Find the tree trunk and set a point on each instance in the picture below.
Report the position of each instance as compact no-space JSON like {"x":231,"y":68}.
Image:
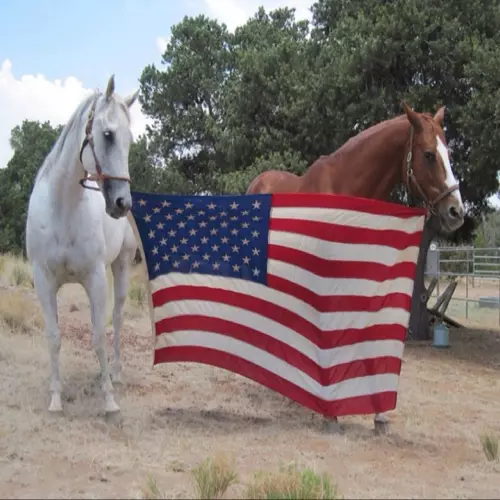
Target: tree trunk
{"x":419,"y":328}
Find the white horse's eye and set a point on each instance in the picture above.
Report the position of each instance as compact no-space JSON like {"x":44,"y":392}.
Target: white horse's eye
{"x":107,"y":134}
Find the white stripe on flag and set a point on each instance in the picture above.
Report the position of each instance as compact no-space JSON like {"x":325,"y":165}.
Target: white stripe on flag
{"x":351,"y":218}
{"x":290,"y":272}
{"x":345,"y":252}
{"x":361,"y":386}
{"x":323,"y":357}
{"x":324,"y":321}
{"x":338,"y":286}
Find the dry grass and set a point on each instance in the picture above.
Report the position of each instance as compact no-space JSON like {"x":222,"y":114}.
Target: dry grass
{"x":292,"y":483}
{"x":138,"y":280}
{"x":20,"y":313}
{"x":176,"y":414}
{"x":213,"y":477}
{"x":137,"y":294}
{"x":490,"y":446}
{"x":15,"y":271}
{"x":151,"y":491}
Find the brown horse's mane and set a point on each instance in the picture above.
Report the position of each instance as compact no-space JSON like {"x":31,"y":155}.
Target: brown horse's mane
{"x":354,"y":141}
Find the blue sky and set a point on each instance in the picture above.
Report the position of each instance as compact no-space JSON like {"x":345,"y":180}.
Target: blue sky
{"x":89,"y":39}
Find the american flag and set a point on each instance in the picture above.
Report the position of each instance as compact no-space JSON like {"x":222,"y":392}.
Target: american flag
{"x":308,"y":295}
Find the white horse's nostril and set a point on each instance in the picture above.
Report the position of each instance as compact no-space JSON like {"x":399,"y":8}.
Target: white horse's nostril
{"x":123,"y":204}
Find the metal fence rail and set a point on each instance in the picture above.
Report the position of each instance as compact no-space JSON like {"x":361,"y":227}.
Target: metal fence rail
{"x":477,"y":272}
{"x":486,"y":262}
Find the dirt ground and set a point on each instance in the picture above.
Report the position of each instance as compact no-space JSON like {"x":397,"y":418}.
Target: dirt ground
{"x":176,"y":415}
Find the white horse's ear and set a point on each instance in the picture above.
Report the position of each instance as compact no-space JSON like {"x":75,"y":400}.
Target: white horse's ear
{"x":130,"y":99}
{"x":110,"y":88}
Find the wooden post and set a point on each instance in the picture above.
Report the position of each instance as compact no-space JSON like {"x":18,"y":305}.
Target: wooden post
{"x":419,"y":325}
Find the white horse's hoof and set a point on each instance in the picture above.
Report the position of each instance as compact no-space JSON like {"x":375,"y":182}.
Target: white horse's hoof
{"x":55,"y":404}
{"x":111,"y":407}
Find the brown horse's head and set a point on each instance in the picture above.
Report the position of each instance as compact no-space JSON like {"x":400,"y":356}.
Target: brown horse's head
{"x":428,"y":172}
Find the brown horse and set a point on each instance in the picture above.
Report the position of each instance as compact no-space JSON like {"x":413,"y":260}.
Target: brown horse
{"x":409,"y":149}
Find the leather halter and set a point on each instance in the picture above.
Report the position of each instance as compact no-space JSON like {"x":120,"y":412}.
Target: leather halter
{"x":430,"y":205}
{"x":89,"y":141}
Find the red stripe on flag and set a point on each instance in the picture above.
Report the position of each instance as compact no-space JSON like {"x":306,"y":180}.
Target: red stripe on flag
{"x":292,"y":356}
{"x":324,"y":200}
{"x":339,"y":233}
{"x":325,"y":268}
{"x":324,"y":339}
{"x":373,"y":403}
{"x":338,"y":303}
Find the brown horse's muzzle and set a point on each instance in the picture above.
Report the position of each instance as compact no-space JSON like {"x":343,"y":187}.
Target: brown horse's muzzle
{"x":451,"y":214}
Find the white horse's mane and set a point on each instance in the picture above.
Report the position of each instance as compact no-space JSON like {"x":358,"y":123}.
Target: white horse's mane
{"x":74,"y":121}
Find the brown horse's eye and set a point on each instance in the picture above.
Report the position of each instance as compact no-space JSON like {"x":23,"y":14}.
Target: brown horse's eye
{"x":430,"y":156}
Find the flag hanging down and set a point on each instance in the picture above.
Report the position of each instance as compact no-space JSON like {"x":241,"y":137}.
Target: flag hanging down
{"x":307,"y":294}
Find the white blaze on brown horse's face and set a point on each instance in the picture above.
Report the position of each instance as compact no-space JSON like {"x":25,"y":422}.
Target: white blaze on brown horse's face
{"x":432,"y":168}
{"x":450,"y":180}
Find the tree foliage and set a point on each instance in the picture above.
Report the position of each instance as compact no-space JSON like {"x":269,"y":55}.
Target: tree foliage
{"x":31,"y":141}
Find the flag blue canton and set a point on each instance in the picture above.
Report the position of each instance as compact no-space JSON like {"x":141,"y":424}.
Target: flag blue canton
{"x":216,"y":235}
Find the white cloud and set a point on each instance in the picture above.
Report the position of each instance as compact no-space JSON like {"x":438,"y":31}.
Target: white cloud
{"x":34,"y":97}
{"x":161,"y":43}
{"x":494,"y":201}
{"x":236,"y":12}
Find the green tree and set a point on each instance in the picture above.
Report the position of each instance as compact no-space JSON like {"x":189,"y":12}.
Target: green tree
{"x":144,"y":173}
{"x":184,"y":102}
{"x":31,"y":142}
{"x":264,"y":103}
{"x":488,"y":232}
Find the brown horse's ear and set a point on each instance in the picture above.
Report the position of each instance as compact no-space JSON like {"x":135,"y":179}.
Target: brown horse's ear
{"x":413,"y":117}
{"x":439,"y":116}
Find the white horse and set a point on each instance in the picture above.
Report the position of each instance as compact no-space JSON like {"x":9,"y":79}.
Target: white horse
{"x":73,"y":234}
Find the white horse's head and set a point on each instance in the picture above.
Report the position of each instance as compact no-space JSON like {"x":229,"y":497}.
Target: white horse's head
{"x":106,"y":140}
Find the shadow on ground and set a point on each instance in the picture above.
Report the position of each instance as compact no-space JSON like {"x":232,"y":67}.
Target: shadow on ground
{"x":472,"y":345}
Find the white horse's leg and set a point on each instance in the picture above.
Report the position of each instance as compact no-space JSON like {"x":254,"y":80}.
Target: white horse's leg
{"x":96,"y":289}
{"x":47,"y":295}
{"x":121,"y":275}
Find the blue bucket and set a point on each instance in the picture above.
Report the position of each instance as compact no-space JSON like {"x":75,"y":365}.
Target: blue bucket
{"x":441,"y":335}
